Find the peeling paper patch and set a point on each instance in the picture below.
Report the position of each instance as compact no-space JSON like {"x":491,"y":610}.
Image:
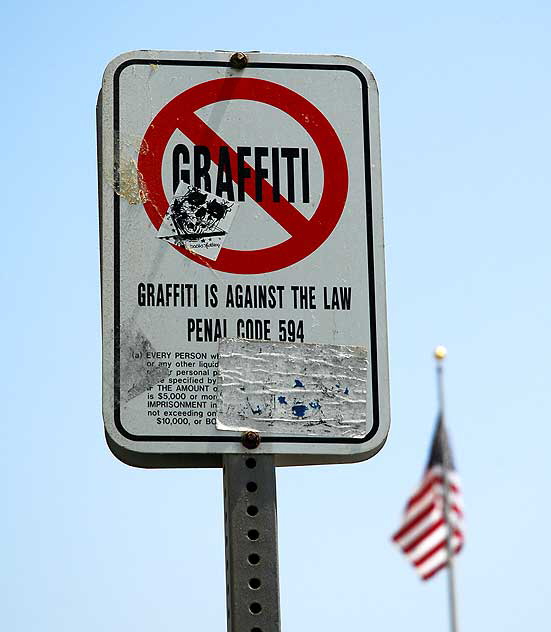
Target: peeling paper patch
{"x":128,"y":183}
{"x":131,"y":184}
{"x":136,"y":377}
{"x":292,"y":388}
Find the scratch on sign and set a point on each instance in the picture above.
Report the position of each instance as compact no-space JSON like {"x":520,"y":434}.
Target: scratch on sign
{"x":280,"y":388}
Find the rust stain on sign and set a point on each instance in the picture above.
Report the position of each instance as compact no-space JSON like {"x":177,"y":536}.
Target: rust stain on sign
{"x":292,"y":388}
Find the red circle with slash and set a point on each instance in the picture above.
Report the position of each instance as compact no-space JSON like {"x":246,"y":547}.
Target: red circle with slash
{"x":306,"y":235}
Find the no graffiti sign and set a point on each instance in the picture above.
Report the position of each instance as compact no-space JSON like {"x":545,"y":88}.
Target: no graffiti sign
{"x":241,"y":206}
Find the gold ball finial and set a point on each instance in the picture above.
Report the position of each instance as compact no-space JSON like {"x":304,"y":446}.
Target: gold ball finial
{"x":440,"y":352}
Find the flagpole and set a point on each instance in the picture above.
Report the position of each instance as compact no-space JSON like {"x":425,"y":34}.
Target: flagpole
{"x":440,"y":353}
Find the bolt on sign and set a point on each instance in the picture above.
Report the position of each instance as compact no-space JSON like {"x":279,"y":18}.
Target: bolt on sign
{"x":242,"y":263}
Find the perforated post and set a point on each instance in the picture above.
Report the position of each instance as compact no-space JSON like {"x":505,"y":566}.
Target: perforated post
{"x":250,"y":514}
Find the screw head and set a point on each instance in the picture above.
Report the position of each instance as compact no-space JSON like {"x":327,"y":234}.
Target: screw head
{"x":239,"y":60}
{"x":250,"y":439}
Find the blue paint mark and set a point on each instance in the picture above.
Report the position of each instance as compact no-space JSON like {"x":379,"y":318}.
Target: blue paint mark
{"x":298,"y":383}
{"x":338,"y":385}
{"x":346,"y":391}
{"x":299,"y":410}
{"x":281,"y":399}
{"x":315,"y":404}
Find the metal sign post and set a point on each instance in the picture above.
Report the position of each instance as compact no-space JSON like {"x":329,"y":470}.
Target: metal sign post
{"x":250,"y":516}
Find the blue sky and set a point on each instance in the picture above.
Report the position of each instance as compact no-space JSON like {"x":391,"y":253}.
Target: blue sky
{"x":89,"y":543}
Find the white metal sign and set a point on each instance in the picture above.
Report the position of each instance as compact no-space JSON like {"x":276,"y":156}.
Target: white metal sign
{"x":242,"y":258}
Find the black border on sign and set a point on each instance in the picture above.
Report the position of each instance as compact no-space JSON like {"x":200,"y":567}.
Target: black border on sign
{"x":370,"y":255}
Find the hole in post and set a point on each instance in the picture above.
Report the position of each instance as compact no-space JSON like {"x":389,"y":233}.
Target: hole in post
{"x":256,"y":629}
{"x":254,"y":583}
{"x":250,"y":463}
{"x":252,"y":510}
{"x":255,"y":608}
{"x":252,"y":486}
{"x":253,"y":534}
{"x":254,"y":558}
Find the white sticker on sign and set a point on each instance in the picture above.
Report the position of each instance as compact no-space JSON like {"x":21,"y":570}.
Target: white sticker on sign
{"x":198,"y":221}
{"x":281,"y":388}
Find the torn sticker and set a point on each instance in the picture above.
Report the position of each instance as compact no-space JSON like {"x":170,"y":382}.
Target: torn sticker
{"x":137,"y":376}
{"x":292,"y":388}
{"x":198,"y":221}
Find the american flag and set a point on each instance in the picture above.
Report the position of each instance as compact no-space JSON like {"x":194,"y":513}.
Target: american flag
{"x":423,"y":534}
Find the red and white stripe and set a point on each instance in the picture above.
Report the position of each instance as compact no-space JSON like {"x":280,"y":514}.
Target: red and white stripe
{"x":423,"y":533}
